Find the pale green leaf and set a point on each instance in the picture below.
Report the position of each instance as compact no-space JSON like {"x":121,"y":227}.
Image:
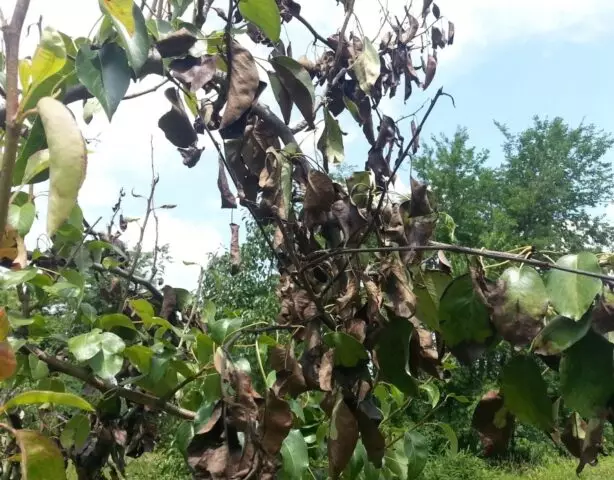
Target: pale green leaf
{"x":295,"y":459}
{"x":85,"y":346}
{"x":37,"y":163}
{"x":572,"y":294}
{"x":67,"y":163}
{"x":21,"y":217}
{"x":56,"y":398}
{"x":49,"y":57}
{"x":41,"y":459}
{"x":121,"y":11}
{"x":367,"y":67}
{"x":331,"y":140}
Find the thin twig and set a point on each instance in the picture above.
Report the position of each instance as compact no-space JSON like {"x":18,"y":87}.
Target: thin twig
{"x":148,"y":90}
{"x":316,"y":35}
{"x":348,"y":14}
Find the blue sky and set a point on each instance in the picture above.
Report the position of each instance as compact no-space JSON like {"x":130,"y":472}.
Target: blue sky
{"x":510,"y":60}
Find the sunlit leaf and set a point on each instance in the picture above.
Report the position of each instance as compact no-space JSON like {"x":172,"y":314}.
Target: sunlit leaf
{"x":41,"y":459}
{"x":572,"y":294}
{"x":264,"y":14}
{"x":8,"y":362}
{"x":367,"y":67}
{"x":49,"y":57}
{"x":57,"y":398}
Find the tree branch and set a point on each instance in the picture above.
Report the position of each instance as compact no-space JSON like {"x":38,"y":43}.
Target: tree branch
{"x":85,"y":376}
{"x":12,"y":35}
{"x":433,"y":246}
{"x":316,"y":35}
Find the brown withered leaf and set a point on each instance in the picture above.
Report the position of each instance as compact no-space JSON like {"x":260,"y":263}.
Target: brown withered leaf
{"x":193,"y":71}
{"x":8,"y":362}
{"x":409,"y":34}
{"x":242,"y":408}
{"x":603,"y":315}
{"x":320,"y":192}
{"x":420,"y":204}
{"x":169,"y":304}
{"x":325,"y":373}
{"x":392,"y":222}
{"x":374,"y":299}
{"x":176,"y":44}
{"x":379,"y":165}
{"x":369,"y":417}
{"x":366,"y":119}
{"x":175,"y":123}
{"x":276,"y":423}
{"x":357,"y":328}
{"x":583,"y":440}
{"x":399,"y":297}
{"x":345,"y":307}
{"x":415,"y":136}
{"x":423,"y":352}
{"x":494,"y":423}
{"x":342,"y":437}
{"x":429,"y":71}
{"x":290,"y":377}
{"x":573,"y":434}
{"x":350,"y":219}
{"x":244,"y":85}
{"x":235,"y":250}
{"x":228,"y":199}
{"x":450,"y":33}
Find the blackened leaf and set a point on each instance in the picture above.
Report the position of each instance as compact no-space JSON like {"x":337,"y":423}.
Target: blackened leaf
{"x":437,"y":38}
{"x":264,"y":14}
{"x":559,"y":334}
{"x":415,"y":136}
{"x":572,"y":294}
{"x":196,"y":72}
{"x":519,"y":304}
{"x":494,"y":423}
{"x":348,"y":350}
{"x":284,"y":100}
{"x":586,"y":373}
{"x":176,"y":44}
{"x":393,"y":356}
{"x":429,"y":71}
{"x":425,"y":7}
{"x":296,"y":80}
{"x":191,"y":155}
{"x":462,"y":316}
{"x":436,"y":11}
{"x":331,"y":140}
{"x":416,"y":449}
{"x":342,"y":437}
{"x":244,"y":84}
{"x":450,"y":33}
{"x":294,"y":455}
{"x":372,"y":438}
{"x":175,"y":123}
{"x":525,"y":392}
{"x":367,"y":67}
{"x":228,"y":199}
{"x":105,"y":73}
{"x":235,"y":251}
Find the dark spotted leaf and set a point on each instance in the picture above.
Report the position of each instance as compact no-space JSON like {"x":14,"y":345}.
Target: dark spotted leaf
{"x":176,"y":44}
{"x":525,"y":392}
{"x":436,"y":11}
{"x":196,"y":72}
{"x":559,"y":334}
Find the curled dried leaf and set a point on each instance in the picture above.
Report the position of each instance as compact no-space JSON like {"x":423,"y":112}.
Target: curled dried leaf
{"x":196,"y":72}
{"x":415,"y":137}
{"x":429,"y":71}
{"x":290,"y":377}
{"x":342,"y":437}
{"x":235,"y":250}
{"x":450,"y":33}
{"x":176,"y":44}
{"x":494,"y":423}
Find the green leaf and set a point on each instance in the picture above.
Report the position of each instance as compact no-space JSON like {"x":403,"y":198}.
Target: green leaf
{"x":282,"y":96}
{"x":22,"y":217}
{"x":525,"y":292}
{"x":17,"y":277}
{"x":295,"y":459}
{"x":183,"y":437}
{"x":433,"y":393}
{"x":85,"y":346}
{"x":57,"y":398}
{"x":367,"y":67}
{"x":142,"y":308}
{"x":37,"y":163}
{"x":357,"y":462}
{"x":393,"y":355}
{"x":586,"y":375}
{"x":38,"y":368}
{"x":462,"y":316}
{"x":41,"y":459}
{"x":67,"y":163}
{"x":416,"y":450}
{"x":139,"y":356}
{"x":75,"y":432}
{"x":572,"y":294}
{"x":220,"y":329}
{"x":331,"y":140}
{"x":264,"y":14}
{"x":105,"y":73}
{"x":132,"y":30}
{"x":111,"y":343}
{"x":106,"y":365}
{"x":429,"y":289}
{"x":450,"y":434}
{"x":296,"y":80}
{"x":559,"y":334}
{"x":348,"y":350}
{"x":525,"y":392}
{"x":107,"y":322}
{"x":49,"y":57}
{"x":204,"y":348}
